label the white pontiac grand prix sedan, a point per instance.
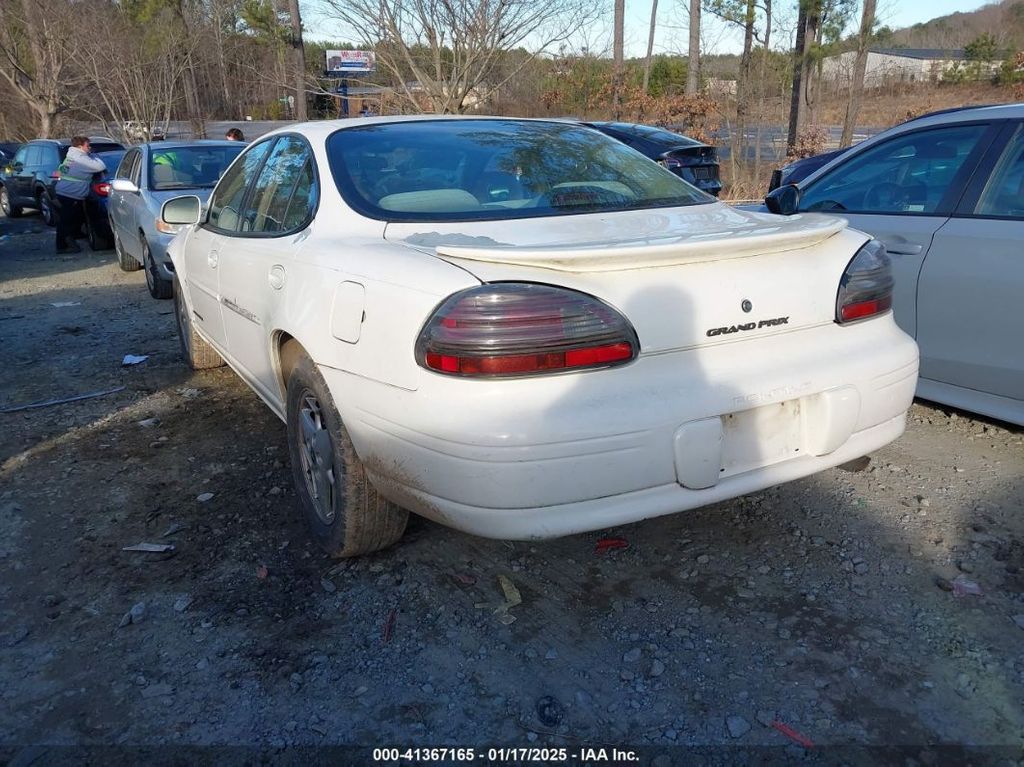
(525, 329)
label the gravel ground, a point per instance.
(883, 607)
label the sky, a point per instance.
(671, 34)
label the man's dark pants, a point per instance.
(70, 217)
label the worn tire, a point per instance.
(96, 240)
(360, 519)
(125, 260)
(45, 207)
(159, 287)
(11, 211)
(194, 350)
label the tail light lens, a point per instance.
(55, 173)
(102, 188)
(521, 329)
(865, 289)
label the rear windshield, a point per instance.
(189, 167)
(112, 159)
(448, 170)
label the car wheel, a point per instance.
(197, 353)
(11, 211)
(159, 287)
(345, 513)
(125, 260)
(45, 208)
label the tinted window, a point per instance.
(283, 175)
(111, 159)
(124, 170)
(189, 167)
(436, 170)
(34, 156)
(226, 202)
(22, 155)
(906, 174)
(1004, 192)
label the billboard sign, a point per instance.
(343, 62)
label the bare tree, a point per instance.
(807, 25)
(693, 57)
(453, 50)
(650, 45)
(617, 46)
(299, 60)
(151, 73)
(867, 23)
(36, 44)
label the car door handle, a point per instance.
(903, 248)
(213, 259)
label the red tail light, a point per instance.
(519, 329)
(55, 174)
(865, 289)
(102, 188)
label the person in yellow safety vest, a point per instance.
(71, 190)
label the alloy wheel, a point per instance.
(316, 454)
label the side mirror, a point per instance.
(785, 200)
(182, 210)
(124, 185)
(17, 166)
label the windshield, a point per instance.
(189, 167)
(447, 170)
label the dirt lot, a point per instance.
(830, 610)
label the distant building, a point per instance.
(888, 65)
(721, 87)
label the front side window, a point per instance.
(34, 157)
(124, 170)
(908, 174)
(280, 198)
(1004, 193)
(452, 170)
(227, 199)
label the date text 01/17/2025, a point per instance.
(502, 754)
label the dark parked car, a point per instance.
(26, 180)
(798, 170)
(691, 160)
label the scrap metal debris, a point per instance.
(792, 734)
(389, 625)
(150, 548)
(608, 544)
(62, 400)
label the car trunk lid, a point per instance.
(685, 277)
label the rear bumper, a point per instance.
(545, 457)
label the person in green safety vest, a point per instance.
(71, 190)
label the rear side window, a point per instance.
(908, 174)
(227, 199)
(280, 199)
(1004, 193)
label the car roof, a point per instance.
(967, 114)
(322, 129)
(181, 144)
